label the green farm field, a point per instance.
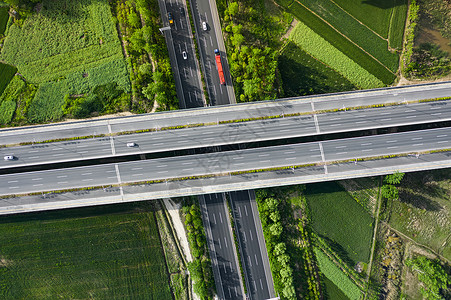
(358, 33)
(332, 292)
(341, 43)
(339, 219)
(303, 75)
(104, 252)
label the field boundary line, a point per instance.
(358, 46)
(363, 23)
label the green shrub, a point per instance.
(319, 48)
(342, 44)
(334, 274)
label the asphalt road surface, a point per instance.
(254, 254)
(222, 247)
(178, 39)
(304, 105)
(209, 40)
(224, 162)
(225, 134)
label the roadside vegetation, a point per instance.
(252, 30)
(102, 252)
(428, 52)
(200, 268)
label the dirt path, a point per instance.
(173, 210)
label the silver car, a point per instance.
(9, 157)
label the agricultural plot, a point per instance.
(336, 276)
(358, 33)
(109, 252)
(6, 74)
(318, 47)
(303, 75)
(424, 208)
(333, 292)
(374, 14)
(332, 37)
(65, 36)
(341, 221)
(397, 25)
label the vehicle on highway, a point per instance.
(204, 26)
(185, 56)
(9, 157)
(182, 11)
(219, 66)
(170, 18)
(131, 145)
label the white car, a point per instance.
(204, 26)
(131, 144)
(185, 56)
(8, 157)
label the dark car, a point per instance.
(182, 11)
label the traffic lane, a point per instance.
(223, 246)
(240, 160)
(208, 42)
(226, 134)
(252, 248)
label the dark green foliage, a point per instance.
(6, 74)
(303, 75)
(431, 274)
(394, 178)
(338, 218)
(4, 16)
(200, 267)
(103, 252)
(355, 31)
(341, 43)
(7, 109)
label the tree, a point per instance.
(275, 229)
(233, 8)
(394, 178)
(389, 191)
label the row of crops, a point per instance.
(368, 37)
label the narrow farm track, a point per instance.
(358, 46)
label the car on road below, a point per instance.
(185, 56)
(204, 26)
(170, 18)
(131, 145)
(9, 157)
(182, 11)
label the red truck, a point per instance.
(219, 66)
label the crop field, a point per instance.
(339, 219)
(424, 208)
(338, 278)
(342, 44)
(3, 18)
(65, 36)
(358, 33)
(108, 252)
(318, 47)
(6, 74)
(303, 75)
(50, 97)
(333, 292)
(397, 26)
(375, 14)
